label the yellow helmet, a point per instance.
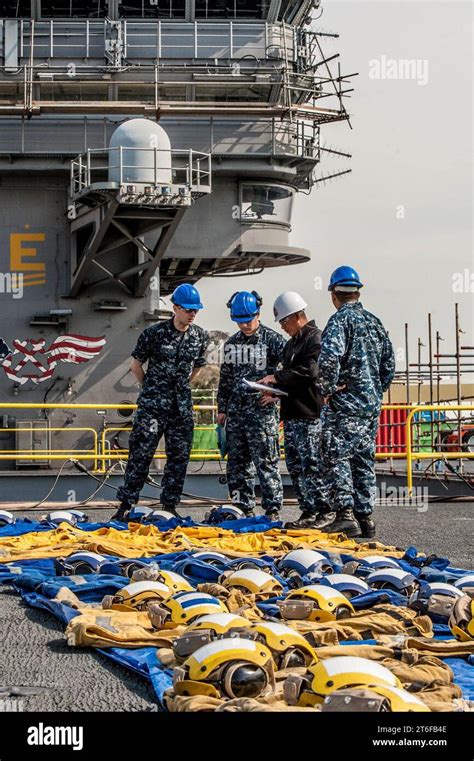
(184, 608)
(137, 596)
(288, 647)
(373, 699)
(205, 629)
(175, 582)
(219, 623)
(341, 672)
(315, 603)
(254, 581)
(232, 668)
(461, 621)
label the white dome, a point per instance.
(143, 137)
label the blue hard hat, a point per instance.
(346, 278)
(186, 296)
(244, 306)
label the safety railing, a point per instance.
(101, 451)
(152, 167)
(51, 454)
(141, 40)
(446, 455)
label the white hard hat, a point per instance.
(288, 303)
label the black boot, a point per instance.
(122, 512)
(273, 515)
(324, 519)
(169, 509)
(367, 526)
(345, 523)
(306, 520)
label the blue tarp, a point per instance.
(35, 580)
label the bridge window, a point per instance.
(162, 9)
(232, 9)
(73, 8)
(265, 203)
(289, 9)
(15, 9)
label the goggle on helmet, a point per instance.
(371, 562)
(79, 563)
(6, 518)
(174, 581)
(288, 647)
(137, 596)
(373, 699)
(341, 672)
(315, 603)
(436, 600)
(229, 668)
(350, 586)
(461, 622)
(253, 581)
(302, 562)
(394, 579)
(184, 608)
(205, 629)
(224, 513)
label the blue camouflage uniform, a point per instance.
(164, 408)
(356, 352)
(251, 429)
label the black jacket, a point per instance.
(298, 375)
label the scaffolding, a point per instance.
(452, 429)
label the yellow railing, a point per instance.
(100, 453)
(410, 455)
(52, 454)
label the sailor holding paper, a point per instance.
(301, 408)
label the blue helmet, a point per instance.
(224, 513)
(345, 583)
(186, 296)
(6, 518)
(345, 279)
(244, 306)
(304, 562)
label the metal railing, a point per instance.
(85, 38)
(190, 168)
(101, 452)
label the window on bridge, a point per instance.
(73, 9)
(232, 9)
(289, 9)
(160, 9)
(15, 9)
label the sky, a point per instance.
(404, 216)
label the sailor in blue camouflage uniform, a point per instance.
(175, 350)
(355, 366)
(251, 429)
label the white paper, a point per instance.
(261, 387)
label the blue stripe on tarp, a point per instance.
(463, 675)
(141, 660)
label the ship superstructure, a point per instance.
(144, 144)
